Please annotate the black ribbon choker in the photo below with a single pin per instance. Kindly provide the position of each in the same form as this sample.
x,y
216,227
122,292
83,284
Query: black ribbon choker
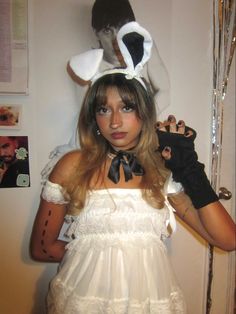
x,y
129,163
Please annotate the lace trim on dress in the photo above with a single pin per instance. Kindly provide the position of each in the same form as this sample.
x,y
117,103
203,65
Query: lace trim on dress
x,y
53,192
126,223
117,240
94,305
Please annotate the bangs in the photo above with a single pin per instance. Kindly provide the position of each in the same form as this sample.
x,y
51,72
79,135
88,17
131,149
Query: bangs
x,y
101,96
128,95
126,90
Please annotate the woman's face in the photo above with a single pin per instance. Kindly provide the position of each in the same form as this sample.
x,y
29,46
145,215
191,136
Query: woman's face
x,y
118,122
107,39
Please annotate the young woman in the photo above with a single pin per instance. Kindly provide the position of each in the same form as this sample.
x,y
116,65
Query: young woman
x,y
116,193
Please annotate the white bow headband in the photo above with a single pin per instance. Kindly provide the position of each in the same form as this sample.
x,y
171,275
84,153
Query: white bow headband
x,y
87,65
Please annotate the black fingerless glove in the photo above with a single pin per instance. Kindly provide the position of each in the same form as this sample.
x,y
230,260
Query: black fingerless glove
x,y
186,168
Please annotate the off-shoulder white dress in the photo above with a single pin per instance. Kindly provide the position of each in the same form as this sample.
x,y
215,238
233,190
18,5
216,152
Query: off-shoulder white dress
x,y
116,262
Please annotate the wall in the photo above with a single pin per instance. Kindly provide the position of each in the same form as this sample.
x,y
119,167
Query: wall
x,y
59,29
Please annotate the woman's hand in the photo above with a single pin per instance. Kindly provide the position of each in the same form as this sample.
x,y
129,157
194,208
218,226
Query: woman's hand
x,y
171,134
177,148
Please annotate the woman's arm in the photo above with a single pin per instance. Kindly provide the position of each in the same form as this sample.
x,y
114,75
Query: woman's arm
x,y
45,245
219,225
212,221
204,213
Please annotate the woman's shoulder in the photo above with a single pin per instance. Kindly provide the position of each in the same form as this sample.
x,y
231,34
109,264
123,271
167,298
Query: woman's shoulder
x,y
65,167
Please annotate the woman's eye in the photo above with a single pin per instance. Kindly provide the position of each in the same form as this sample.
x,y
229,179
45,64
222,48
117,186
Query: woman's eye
x,y
128,108
102,110
107,30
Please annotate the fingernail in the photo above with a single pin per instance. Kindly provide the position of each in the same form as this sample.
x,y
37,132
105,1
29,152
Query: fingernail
x,y
167,149
188,133
158,124
180,123
171,118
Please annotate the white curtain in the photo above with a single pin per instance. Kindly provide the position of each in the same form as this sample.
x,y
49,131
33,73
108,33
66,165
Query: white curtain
x,y
224,40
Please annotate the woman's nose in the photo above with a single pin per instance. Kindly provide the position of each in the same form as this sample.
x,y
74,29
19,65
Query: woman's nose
x,y
116,120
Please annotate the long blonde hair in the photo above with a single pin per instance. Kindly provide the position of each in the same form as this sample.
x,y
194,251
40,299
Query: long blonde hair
x,y
94,147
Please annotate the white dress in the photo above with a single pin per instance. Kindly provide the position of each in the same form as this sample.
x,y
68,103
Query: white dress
x,y
117,262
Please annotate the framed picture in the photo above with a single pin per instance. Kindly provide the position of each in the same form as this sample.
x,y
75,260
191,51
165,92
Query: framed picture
x,y
10,116
14,162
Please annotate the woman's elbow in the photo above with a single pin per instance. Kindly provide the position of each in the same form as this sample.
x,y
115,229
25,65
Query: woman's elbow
x,y
36,253
226,247
51,251
228,244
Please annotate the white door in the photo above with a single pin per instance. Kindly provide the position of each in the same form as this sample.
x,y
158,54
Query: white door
x,y
223,285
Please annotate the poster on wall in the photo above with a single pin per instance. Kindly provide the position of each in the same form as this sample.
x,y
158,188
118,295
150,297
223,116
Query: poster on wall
x,y
13,47
14,162
10,116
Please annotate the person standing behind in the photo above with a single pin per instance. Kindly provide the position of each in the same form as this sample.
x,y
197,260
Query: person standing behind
x,y
108,16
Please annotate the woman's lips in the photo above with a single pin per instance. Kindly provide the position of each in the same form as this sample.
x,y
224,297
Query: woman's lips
x,y
118,135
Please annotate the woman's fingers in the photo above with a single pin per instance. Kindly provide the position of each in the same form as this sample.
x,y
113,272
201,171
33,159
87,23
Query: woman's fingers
x,y
170,125
166,153
173,127
181,127
162,125
188,133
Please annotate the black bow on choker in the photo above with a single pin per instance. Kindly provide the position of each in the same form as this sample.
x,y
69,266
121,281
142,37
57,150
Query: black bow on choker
x,y
129,164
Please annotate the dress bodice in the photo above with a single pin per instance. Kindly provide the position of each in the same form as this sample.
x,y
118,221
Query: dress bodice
x,y
118,211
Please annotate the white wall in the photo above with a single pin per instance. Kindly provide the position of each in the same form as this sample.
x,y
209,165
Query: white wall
x,y
191,99
59,29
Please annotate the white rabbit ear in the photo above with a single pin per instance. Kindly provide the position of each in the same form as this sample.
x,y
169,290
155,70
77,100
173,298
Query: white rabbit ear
x,y
135,44
86,65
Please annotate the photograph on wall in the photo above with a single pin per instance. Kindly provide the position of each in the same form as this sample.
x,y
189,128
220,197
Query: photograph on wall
x,y
10,116
14,162
13,47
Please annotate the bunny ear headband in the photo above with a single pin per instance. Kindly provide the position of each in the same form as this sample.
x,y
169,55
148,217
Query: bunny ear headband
x,y
135,44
